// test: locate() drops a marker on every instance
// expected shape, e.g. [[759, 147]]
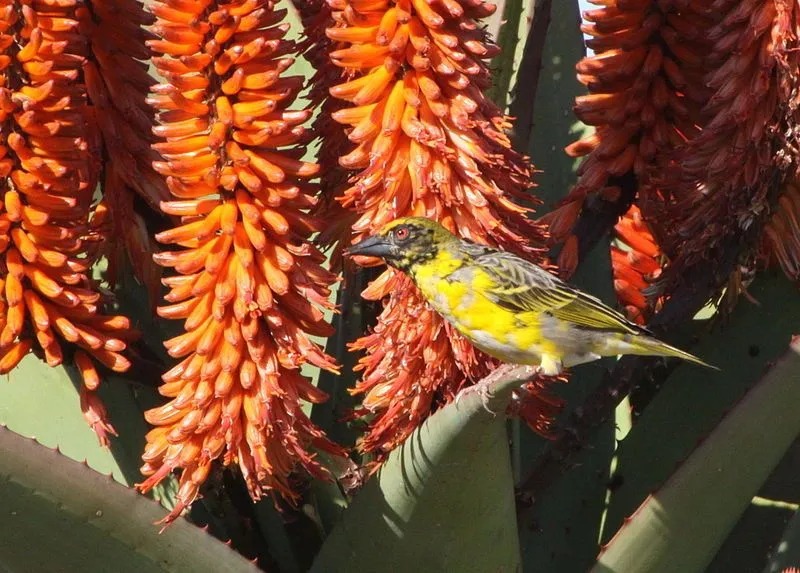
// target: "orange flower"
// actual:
[[118, 82], [317, 16], [49, 231], [427, 142], [645, 94], [636, 266], [250, 287]]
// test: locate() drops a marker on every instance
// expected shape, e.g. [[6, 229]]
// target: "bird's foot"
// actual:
[[483, 387]]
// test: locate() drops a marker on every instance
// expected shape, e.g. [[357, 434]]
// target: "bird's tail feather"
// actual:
[[648, 346]]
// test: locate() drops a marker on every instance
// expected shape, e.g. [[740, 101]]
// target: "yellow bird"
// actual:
[[506, 306]]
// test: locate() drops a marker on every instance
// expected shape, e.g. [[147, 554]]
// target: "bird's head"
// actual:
[[405, 242]]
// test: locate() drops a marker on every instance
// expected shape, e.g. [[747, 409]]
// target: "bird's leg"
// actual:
[[483, 386]]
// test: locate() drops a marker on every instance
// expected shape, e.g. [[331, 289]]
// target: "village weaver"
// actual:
[[506, 306]]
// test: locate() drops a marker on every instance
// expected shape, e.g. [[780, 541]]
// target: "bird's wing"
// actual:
[[523, 287]]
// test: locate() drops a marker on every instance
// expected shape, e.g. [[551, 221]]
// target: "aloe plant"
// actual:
[[90, 522], [194, 130]]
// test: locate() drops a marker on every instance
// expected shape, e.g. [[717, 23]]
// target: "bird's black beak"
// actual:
[[374, 246]]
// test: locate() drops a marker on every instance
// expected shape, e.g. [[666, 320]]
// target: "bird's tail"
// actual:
[[649, 346]]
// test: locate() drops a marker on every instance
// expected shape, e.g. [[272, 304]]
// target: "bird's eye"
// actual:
[[401, 233]]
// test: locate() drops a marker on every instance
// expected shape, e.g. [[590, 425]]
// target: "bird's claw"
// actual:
[[483, 389]]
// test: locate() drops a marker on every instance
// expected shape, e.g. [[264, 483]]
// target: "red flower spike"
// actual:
[[721, 181], [646, 90], [425, 141], [118, 83]]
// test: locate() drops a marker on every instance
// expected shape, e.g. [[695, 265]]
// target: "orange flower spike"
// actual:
[[636, 267], [48, 228], [242, 246], [646, 87]]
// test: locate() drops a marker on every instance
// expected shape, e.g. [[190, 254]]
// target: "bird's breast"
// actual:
[[464, 305]]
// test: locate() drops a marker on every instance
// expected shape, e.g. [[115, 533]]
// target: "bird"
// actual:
[[506, 306]]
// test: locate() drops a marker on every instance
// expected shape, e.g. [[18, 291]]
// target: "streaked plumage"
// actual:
[[507, 306]]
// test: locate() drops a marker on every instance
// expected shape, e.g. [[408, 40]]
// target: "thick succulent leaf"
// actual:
[[554, 124], [680, 527], [442, 501], [693, 399], [509, 27], [561, 530], [757, 533], [59, 515], [41, 402]]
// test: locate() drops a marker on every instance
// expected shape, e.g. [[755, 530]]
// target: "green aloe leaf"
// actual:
[[442, 501], [693, 400], [59, 515], [509, 27], [41, 402], [681, 526]]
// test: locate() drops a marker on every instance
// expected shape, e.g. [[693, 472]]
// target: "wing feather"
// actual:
[[521, 286]]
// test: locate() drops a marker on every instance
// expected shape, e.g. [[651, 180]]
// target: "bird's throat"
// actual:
[[427, 275]]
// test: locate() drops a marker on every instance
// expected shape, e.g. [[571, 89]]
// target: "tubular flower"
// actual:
[[118, 83], [636, 266], [645, 95], [49, 232], [427, 142], [317, 16], [249, 287], [725, 174]]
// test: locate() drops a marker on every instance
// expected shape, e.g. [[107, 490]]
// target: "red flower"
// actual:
[[427, 142]]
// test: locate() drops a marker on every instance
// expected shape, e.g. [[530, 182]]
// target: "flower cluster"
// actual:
[[427, 142], [118, 83], [49, 229], [636, 266], [645, 95], [317, 17], [724, 176], [692, 103], [249, 286]]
